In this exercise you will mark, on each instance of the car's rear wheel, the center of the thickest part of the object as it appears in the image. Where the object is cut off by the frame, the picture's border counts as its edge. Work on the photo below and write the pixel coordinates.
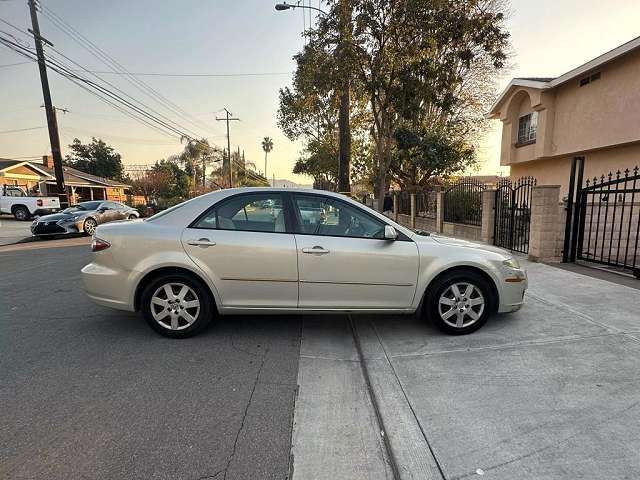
(21, 213)
(460, 302)
(131, 217)
(90, 226)
(176, 306)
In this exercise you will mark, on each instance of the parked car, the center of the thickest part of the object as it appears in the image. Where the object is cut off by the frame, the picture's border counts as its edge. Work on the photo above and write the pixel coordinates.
(82, 218)
(220, 254)
(14, 200)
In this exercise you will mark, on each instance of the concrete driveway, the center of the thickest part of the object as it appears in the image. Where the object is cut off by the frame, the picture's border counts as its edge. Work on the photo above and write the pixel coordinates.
(550, 392)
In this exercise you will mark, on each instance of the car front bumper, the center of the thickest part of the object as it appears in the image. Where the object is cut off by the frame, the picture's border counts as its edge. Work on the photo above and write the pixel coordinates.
(513, 288)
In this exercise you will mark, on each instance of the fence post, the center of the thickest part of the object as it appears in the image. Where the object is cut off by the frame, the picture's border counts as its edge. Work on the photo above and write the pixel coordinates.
(488, 216)
(545, 215)
(412, 203)
(395, 206)
(440, 211)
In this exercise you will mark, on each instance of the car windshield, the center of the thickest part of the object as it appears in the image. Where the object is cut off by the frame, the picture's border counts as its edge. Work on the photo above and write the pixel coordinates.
(84, 206)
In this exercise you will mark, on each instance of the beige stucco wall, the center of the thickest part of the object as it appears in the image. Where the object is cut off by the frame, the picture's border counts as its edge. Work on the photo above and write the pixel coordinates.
(555, 171)
(574, 120)
(603, 113)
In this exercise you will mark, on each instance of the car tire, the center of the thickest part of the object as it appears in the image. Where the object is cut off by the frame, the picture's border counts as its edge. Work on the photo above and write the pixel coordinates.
(456, 310)
(21, 213)
(131, 217)
(90, 226)
(175, 315)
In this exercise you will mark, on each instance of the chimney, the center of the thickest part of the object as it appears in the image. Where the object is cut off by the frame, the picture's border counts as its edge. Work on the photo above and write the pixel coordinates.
(47, 161)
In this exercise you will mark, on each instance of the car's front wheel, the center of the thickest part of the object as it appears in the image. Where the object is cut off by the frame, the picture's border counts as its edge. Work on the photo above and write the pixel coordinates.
(176, 306)
(90, 226)
(460, 302)
(131, 217)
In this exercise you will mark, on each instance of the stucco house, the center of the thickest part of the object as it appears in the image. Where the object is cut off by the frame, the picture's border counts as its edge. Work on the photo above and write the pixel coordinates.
(591, 111)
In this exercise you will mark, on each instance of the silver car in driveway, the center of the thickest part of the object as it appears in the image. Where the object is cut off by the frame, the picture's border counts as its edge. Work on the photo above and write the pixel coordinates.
(82, 218)
(266, 250)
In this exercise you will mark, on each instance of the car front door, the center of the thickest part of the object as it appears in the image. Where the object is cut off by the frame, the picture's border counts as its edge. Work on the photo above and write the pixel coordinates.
(107, 212)
(344, 260)
(245, 245)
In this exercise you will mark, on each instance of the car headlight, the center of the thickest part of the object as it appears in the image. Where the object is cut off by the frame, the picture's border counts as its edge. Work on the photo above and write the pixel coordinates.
(511, 263)
(67, 220)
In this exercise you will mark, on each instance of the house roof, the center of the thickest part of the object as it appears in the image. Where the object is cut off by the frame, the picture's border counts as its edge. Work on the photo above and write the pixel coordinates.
(6, 163)
(546, 83)
(72, 176)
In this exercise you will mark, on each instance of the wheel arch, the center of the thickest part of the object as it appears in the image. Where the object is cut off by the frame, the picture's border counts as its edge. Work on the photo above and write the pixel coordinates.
(15, 206)
(495, 293)
(169, 270)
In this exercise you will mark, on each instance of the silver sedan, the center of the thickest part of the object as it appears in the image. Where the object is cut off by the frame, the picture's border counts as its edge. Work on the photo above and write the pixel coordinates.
(82, 218)
(265, 250)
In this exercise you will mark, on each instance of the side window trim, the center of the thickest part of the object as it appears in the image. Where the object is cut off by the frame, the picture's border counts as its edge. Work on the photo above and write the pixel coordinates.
(215, 207)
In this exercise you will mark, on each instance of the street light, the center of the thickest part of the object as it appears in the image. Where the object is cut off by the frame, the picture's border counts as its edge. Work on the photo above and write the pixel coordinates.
(289, 6)
(344, 128)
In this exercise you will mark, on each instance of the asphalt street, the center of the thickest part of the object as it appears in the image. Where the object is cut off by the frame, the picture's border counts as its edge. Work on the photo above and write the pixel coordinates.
(88, 392)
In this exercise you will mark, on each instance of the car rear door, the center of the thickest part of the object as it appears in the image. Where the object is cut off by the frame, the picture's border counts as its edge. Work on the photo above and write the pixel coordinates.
(344, 261)
(246, 246)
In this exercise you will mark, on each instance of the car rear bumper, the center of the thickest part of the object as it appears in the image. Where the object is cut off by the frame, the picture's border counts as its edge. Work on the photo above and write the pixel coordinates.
(107, 287)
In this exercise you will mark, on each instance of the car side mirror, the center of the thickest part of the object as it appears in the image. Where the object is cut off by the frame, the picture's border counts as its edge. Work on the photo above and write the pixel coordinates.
(102, 210)
(390, 233)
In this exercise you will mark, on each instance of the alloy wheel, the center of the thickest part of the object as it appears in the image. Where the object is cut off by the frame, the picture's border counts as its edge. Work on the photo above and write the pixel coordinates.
(461, 305)
(90, 226)
(175, 306)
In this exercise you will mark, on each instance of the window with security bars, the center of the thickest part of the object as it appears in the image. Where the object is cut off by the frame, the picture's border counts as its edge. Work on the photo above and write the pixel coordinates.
(527, 128)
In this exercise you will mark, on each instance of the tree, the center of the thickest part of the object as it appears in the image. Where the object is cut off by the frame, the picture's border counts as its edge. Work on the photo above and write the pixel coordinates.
(153, 183)
(422, 65)
(178, 184)
(267, 146)
(96, 158)
(197, 156)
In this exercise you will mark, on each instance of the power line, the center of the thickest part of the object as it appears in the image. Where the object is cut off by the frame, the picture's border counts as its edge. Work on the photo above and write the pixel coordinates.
(22, 129)
(161, 74)
(115, 66)
(63, 71)
(13, 64)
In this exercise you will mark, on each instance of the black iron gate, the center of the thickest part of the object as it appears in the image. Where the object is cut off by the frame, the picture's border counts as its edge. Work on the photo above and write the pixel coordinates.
(607, 221)
(513, 214)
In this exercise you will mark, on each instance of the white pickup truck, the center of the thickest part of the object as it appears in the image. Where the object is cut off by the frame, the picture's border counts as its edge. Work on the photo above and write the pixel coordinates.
(15, 201)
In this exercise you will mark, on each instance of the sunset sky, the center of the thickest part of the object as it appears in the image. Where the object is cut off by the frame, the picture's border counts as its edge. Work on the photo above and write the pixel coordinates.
(225, 37)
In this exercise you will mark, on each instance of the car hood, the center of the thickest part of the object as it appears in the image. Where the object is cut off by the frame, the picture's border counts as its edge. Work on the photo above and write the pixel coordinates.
(457, 242)
(55, 217)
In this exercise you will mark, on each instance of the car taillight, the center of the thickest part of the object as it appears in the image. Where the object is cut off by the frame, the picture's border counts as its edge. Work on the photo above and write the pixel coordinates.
(39, 202)
(98, 245)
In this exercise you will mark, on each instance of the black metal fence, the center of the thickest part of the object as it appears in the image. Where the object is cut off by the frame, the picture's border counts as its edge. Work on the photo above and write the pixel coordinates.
(404, 203)
(513, 214)
(608, 210)
(427, 203)
(463, 202)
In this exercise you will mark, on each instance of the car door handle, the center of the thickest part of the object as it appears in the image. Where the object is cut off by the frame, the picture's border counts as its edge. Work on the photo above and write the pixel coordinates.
(201, 242)
(317, 250)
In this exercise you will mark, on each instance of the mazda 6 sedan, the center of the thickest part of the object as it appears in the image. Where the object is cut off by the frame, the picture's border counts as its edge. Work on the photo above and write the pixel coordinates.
(265, 250)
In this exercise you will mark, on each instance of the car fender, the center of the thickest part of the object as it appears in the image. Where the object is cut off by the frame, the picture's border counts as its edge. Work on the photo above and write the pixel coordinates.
(170, 259)
(431, 269)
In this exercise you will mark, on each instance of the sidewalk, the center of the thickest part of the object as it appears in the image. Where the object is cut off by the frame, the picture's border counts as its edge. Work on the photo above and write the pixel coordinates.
(549, 392)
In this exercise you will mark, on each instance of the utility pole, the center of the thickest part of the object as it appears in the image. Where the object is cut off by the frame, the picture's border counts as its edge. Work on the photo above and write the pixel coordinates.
(52, 122)
(228, 118)
(344, 114)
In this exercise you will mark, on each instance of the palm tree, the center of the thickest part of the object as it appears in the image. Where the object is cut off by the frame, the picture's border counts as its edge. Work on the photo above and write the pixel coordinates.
(267, 146)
